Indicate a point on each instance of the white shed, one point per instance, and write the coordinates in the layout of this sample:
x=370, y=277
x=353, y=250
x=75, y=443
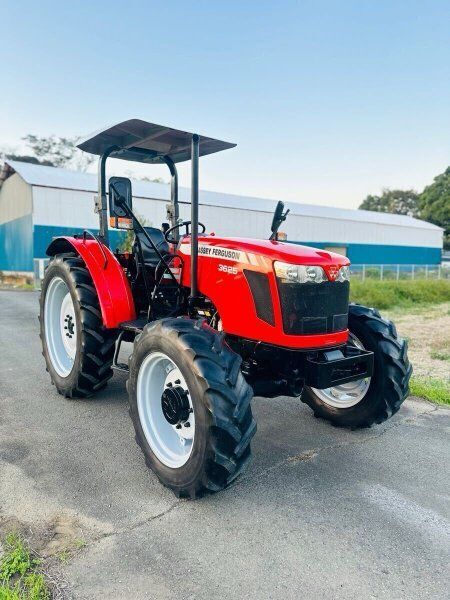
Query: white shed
x=39, y=202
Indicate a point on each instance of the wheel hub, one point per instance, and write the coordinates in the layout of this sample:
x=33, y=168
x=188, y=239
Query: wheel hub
x=175, y=404
x=69, y=326
x=60, y=326
x=166, y=411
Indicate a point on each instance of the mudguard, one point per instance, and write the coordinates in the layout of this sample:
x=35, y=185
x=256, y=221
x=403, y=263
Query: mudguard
x=113, y=289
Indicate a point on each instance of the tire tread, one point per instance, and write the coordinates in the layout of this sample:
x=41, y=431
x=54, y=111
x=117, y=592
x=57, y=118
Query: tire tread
x=97, y=342
x=392, y=351
x=227, y=398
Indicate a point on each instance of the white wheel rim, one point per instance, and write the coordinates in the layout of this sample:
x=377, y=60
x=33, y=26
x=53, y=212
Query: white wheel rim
x=347, y=394
x=60, y=326
x=172, y=444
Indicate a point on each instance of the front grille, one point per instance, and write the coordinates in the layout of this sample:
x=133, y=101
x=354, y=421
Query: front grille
x=309, y=308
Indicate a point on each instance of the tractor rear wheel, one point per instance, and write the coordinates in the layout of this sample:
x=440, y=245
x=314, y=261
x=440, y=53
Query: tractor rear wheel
x=77, y=349
x=190, y=406
x=372, y=400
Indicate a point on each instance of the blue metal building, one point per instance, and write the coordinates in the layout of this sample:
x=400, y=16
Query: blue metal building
x=38, y=203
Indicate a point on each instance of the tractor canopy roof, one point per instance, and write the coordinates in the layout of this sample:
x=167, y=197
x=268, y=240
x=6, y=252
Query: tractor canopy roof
x=145, y=142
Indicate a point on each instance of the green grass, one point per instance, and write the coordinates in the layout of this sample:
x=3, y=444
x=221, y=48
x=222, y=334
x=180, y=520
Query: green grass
x=79, y=543
x=19, y=579
x=405, y=294
x=435, y=390
x=440, y=355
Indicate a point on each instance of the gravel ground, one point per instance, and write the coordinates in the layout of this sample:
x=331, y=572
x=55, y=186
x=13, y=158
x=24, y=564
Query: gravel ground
x=322, y=512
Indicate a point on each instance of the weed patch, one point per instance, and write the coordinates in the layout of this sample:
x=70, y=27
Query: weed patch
x=19, y=576
x=438, y=355
x=434, y=390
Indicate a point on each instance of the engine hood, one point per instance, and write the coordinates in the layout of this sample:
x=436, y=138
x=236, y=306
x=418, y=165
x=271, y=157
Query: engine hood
x=244, y=248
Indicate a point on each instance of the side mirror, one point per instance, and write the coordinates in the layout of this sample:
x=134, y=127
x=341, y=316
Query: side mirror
x=278, y=217
x=119, y=194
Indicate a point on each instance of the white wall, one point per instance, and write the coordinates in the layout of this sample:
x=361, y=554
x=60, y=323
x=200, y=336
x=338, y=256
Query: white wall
x=70, y=208
x=15, y=199
x=248, y=223
x=76, y=209
x=66, y=208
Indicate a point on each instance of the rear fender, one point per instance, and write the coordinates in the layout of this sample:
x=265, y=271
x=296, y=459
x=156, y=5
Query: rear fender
x=112, y=286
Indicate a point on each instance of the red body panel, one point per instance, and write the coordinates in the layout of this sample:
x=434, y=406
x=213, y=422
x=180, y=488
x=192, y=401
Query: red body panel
x=111, y=283
x=229, y=291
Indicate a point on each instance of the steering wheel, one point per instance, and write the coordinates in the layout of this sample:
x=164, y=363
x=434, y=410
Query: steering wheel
x=186, y=224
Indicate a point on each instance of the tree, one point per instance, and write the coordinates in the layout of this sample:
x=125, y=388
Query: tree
x=400, y=202
x=24, y=158
x=153, y=179
x=126, y=244
x=58, y=151
x=132, y=175
x=435, y=204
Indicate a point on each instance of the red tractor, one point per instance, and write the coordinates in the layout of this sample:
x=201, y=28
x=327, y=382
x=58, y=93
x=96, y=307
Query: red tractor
x=213, y=321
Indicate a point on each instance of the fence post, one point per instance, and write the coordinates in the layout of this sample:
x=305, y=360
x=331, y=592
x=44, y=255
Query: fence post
x=439, y=271
x=412, y=271
x=381, y=272
x=426, y=271
x=398, y=272
x=363, y=272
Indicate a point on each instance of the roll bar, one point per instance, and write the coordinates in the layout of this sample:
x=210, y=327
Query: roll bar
x=101, y=205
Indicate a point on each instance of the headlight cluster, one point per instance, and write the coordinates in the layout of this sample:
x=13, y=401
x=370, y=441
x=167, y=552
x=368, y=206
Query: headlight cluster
x=306, y=274
x=299, y=273
x=344, y=274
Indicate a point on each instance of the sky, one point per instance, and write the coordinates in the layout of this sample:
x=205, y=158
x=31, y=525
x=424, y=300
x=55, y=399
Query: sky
x=327, y=100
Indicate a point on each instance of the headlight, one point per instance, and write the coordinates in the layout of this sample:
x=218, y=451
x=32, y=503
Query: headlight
x=299, y=273
x=344, y=274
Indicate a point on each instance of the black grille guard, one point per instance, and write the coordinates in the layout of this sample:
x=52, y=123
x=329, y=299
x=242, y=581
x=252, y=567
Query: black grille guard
x=330, y=368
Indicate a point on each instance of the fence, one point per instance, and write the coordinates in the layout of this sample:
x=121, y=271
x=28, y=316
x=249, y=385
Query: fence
x=399, y=272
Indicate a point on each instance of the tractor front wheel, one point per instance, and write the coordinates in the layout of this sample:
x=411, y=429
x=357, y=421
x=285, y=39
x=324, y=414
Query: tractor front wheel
x=190, y=406
x=372, y=400
x=77, y=349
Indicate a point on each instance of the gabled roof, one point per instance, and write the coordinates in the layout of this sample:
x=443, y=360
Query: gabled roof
x=53, y=177
x=145, y=142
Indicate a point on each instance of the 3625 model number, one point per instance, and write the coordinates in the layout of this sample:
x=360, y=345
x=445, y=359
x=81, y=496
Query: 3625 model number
x=228, y=269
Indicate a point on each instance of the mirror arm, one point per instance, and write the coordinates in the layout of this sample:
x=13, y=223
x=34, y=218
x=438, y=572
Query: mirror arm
x=275, y=228
x=124, y=206
x=144, y=271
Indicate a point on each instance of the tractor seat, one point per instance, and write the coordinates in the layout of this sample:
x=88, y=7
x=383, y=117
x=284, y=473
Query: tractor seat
x=151, y=258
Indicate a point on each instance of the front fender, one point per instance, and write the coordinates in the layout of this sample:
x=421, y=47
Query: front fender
x=112, y=286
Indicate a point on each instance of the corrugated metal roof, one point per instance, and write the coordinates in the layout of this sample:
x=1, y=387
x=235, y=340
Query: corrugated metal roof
x=54, y=177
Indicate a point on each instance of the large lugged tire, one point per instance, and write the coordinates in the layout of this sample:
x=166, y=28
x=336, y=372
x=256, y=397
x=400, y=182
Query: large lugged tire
x=387, y=388
x=77, y=349
x=180, y=363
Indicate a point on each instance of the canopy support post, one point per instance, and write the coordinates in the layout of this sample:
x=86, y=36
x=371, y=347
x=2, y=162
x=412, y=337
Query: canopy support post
x=101, y=205
x=174, y=213
x=194, y=216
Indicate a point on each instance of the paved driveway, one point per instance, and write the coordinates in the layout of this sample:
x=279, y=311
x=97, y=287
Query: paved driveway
x=321, y=512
